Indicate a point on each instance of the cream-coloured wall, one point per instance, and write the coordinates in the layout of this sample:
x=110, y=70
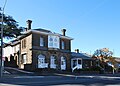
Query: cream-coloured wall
x=7, y=51
x=27, y=50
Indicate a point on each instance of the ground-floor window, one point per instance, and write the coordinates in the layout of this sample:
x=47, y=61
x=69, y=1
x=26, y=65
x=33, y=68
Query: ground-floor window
x=53, y=62
x=63, y=63
x=24, y=59
x=76, y=63
x=41, y=62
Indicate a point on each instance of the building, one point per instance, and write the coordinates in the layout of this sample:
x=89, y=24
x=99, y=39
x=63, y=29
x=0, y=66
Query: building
x=117, y=59
x=41, y=49
x=80, y=60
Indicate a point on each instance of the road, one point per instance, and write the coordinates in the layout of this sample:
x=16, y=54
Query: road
x=84, y=80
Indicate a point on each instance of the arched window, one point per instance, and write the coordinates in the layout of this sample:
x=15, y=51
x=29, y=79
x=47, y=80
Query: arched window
x=53, y=62
x=63, y=63
x=41, y=59
x=41, y=62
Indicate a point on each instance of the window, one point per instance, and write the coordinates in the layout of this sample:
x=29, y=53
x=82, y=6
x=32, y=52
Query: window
x=41, y=62
x=24, y=59
x=53, y=41
x=41, y=41
x=63, y=45
x=63, y=60
x=74, y=63
x=41, y=59
x=24, y=43
x=79, y=61
x=53, y=62
x=63, y=63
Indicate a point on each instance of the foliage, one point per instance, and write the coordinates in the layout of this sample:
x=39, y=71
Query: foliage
x=104, y=58
x=10, y=27
x=103, y=53
x=95, y=68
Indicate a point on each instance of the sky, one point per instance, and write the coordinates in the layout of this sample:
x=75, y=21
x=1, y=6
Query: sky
x=94, y=24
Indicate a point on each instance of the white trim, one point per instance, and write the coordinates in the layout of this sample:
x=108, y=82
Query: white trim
x=41, y=62
x=48, y=33
x=52, y=62
x=63, y=66
x=77, y=66
x=23, y=52
x=66, y=37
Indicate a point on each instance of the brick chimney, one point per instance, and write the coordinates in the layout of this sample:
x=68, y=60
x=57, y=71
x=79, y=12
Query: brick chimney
x=77, y=50
x=29, y=24
x=63, y=32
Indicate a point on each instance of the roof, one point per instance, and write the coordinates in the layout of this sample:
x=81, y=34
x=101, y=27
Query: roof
x=45, y=32
x=117, y=59
x=12, y=43
x=80, y=55
x=40, y=31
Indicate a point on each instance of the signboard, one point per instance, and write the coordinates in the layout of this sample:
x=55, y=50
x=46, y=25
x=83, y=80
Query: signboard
x=53, y=41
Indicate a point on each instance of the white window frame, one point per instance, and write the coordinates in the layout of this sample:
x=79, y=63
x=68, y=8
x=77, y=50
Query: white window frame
x=52, y=62
x=41, y=62
x=63, y=63
x=24, y=59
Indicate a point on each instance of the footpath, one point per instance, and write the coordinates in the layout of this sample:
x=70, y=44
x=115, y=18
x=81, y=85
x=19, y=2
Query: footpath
x=10, y=72
x=14, y=72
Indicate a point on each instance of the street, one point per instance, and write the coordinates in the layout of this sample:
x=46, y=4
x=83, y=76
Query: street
x=83, y=80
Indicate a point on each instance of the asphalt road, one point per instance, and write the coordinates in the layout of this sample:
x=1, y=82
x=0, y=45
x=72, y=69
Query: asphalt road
x=61, y=81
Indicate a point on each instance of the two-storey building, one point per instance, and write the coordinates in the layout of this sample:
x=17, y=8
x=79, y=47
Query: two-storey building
x=42, y=49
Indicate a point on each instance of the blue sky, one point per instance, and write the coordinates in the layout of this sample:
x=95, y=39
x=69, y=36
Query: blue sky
x=93, y=24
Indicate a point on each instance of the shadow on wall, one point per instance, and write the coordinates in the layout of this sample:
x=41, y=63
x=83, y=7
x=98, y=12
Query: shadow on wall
x=11, y=63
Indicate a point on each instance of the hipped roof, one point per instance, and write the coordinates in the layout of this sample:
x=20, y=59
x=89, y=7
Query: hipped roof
x=80, y=55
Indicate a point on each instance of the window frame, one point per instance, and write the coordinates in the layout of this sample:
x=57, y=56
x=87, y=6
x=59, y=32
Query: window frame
x=42, y=41
x=24, y=58
x=63, y=44
x=23, y=43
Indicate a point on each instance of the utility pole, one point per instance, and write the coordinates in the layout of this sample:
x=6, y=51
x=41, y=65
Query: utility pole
x=1, y=54
x=1, y=57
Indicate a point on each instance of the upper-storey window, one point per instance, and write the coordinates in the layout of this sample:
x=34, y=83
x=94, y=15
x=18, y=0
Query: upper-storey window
x=53, y=41
x=24, y=43
x=41, y=41
x=63, y=45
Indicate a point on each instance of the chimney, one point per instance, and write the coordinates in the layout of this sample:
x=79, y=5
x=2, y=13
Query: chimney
x=29, y=24
x=77, y=50
x=63, y=31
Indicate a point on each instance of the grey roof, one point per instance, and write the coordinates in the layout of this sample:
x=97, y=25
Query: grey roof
x=117, y=59
x=43, y=30
x=80, y=55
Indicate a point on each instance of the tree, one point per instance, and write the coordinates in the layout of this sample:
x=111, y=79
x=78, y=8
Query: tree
x=11, y=28
x=104, y=58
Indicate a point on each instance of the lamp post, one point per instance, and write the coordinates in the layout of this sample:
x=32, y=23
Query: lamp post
x=1, y=58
